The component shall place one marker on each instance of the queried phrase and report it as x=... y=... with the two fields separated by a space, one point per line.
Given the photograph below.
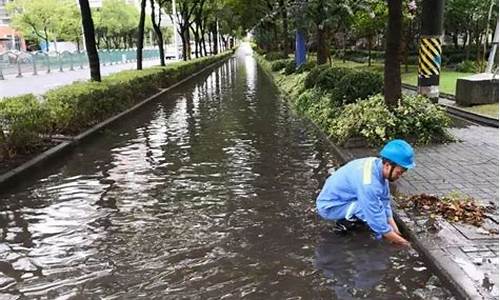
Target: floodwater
x=207 y=193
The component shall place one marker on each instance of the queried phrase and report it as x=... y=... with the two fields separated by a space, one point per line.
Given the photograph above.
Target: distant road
x=41 y=83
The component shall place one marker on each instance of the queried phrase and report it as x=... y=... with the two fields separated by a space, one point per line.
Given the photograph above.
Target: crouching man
x=359 y=190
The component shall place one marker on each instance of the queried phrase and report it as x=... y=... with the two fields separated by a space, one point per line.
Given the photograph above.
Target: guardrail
x=20 y=62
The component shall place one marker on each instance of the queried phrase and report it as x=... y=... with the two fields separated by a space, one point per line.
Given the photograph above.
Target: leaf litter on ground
x=453 y=207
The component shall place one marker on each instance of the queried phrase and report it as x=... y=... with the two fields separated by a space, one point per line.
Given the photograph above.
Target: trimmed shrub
x=368 y=118
x=308 y=66
x=359 y=85
x=21 y=118
x=312 y=77
x=421 y=120
x=290 y=66
x=415 y=118
x=271 y=56
x=329 y=78
x=467 y=67
x=278 y=65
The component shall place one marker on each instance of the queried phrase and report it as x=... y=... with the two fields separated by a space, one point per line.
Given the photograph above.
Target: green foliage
x=467 y=67
x=271 y=56
x=308 y=66
x=278 y=65
x=420 y=119
x=21 y=118
x=45 y=19
x=369 y=118
x=312 y=77
x=329 y=78
x=415 y=118
x=359 y=85
x=290 y=67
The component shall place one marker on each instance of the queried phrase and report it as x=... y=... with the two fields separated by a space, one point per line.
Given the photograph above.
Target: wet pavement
x=469 y=166
x=207 y=193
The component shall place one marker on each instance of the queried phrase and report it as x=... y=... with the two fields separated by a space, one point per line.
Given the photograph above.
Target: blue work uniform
x=358 y=189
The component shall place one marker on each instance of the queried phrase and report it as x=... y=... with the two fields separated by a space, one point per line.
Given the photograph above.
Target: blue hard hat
x=400 y=153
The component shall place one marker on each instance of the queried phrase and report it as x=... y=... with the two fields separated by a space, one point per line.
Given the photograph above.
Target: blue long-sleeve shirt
x=360 y=180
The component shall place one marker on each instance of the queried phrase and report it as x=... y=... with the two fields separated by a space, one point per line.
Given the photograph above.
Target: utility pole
x=429 y=57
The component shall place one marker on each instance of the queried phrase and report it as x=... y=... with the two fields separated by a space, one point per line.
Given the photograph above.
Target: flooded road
x=207 y=193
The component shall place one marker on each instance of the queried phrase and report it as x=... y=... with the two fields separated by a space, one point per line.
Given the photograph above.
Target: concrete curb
x=447 y=270
x=9 y=178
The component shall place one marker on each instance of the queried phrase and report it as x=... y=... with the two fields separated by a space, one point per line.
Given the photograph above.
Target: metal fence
x=22 y=63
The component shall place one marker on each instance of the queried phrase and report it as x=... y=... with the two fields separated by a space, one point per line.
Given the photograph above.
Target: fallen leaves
x=452 y=208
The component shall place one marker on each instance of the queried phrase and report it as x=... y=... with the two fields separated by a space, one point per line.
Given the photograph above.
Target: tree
x=392 y=71
x=88 y=30
x=140 y=35
x=369 y=22
x=69 y=25
x=115 y=22
x=156 y=27
x=328 y=16
x=36 y=18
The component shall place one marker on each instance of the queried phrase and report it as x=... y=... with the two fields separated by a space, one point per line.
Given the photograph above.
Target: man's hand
x=395 y=238
x=394 y=226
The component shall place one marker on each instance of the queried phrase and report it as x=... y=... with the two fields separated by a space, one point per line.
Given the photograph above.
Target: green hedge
x=25 y=120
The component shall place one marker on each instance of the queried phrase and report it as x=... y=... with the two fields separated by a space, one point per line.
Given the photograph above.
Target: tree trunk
x=88 y=30
x=392 y=71
x=157 y=30
x=46 y=38
x=140 y=35
x=321 y=44
x=370 y=42
x=284 y=17
x=214 y=37
x=196 y=40
x=184 y=44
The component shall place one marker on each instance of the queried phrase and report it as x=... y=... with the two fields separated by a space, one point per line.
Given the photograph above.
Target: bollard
x=80 y=55
x=48 y=63
x=33 y=57
x=19 y=74
x=71 y=62
x=60 y=62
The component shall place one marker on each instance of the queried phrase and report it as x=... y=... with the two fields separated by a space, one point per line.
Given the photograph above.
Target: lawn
x=447 y=80
x=485 y=109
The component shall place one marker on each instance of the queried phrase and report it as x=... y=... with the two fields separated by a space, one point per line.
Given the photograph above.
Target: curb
x=452 y=276
x=8 y=178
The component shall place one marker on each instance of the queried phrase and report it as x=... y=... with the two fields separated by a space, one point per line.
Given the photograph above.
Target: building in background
x=10 y=39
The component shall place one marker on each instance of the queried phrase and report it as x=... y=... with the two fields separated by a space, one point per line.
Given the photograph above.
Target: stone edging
x=9 y=178
x=447 y=270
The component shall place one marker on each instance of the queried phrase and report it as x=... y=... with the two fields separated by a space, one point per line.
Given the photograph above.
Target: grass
x=485 y=109
x=447 y=80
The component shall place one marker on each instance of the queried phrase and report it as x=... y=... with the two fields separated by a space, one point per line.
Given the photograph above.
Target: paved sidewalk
x=466 y=255
x=41 y=83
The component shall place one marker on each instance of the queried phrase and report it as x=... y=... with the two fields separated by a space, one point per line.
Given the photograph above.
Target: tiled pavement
x=466 y=255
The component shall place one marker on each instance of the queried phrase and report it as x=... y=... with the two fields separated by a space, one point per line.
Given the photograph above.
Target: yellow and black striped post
x=429 y=55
